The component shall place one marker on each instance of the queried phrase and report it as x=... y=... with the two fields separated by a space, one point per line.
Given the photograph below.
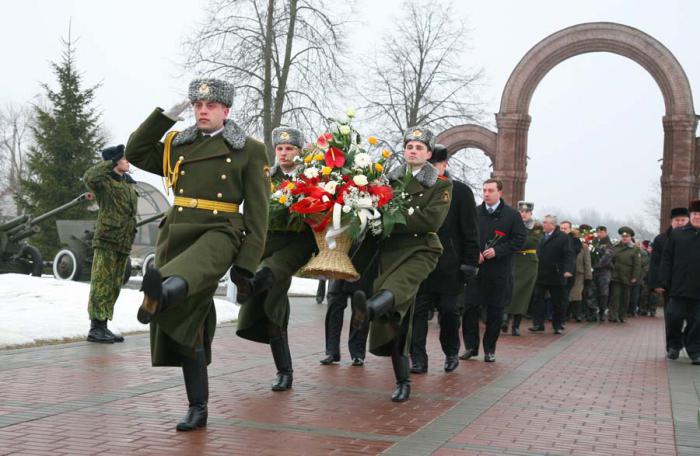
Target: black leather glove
x=468 y=272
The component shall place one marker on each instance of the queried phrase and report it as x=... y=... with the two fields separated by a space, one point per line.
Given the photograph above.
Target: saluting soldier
x=524 y=269
x=627 y=270
x=213 y=168
x=289 y=245
x=406 y=257
x=114 y=233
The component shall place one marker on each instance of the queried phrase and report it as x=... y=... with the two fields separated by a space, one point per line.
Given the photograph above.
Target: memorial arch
x=681 y=166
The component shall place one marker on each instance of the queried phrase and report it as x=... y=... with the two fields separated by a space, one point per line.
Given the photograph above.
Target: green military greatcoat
x=409 y=254
x=198 y=244
x=525 y=271
x=627 y=264
x=288 y=247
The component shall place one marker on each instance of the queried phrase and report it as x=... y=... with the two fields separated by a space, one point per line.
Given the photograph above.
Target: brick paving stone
x=597 y=390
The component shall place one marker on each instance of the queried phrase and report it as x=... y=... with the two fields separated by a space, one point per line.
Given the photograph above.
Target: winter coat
x=583 y=272
x=506 y=220
x=556 y=257
x=657 y=252
x=525 y=272
x=459 y=236
x=118 y=201
x=602 y=256
x=680 y=265
x=627 y=265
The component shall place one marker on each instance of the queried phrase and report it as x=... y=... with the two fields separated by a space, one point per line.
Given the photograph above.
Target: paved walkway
x=598 y=390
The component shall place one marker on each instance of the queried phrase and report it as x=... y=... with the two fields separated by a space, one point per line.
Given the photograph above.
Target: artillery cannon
x=16 y=255
x=74 y=261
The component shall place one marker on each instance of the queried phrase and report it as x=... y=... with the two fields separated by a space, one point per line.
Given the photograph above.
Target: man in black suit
x=501 y=234
x=457 y=265
x=557 y=263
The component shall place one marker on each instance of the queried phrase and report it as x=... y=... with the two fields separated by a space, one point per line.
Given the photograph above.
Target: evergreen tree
x=67 y=135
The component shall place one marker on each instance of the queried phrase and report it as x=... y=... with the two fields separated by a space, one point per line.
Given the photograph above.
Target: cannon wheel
x=148 y=263
x=127 y=271
x=67 y=265
x=31 y=261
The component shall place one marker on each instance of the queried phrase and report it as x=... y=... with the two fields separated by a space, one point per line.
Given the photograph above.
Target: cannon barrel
x=87 y=196
x=150 y=218
x=7 y=226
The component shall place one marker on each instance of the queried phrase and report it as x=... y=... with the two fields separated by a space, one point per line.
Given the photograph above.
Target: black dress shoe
x=402 y=392
x=451 y=363
x=469 y=353
x=330 y=359
x=419 y=368
x=536 y=329
x=489 y=357
x=672 y=353
x=283 y=382
x=358 y=362
x=196 y=417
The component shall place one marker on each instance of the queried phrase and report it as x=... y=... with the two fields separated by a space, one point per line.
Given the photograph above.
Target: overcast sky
x=596 y=132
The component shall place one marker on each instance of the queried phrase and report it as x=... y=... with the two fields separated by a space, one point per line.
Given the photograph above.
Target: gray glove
x=175 y=112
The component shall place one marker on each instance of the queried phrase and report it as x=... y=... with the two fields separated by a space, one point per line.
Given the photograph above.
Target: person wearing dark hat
x=289 y=244
x=602 y=258
x=406 y=257
x=502 y=234
x=115 y=230
x=524 y=269
x=582 y=276
x=648 y=297
x=213 y=168
x=680 y=280
x=627 y=270
x=679 y=217
x=456 y=267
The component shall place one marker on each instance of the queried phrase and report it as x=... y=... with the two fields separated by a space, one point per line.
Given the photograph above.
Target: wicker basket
x=331 y=263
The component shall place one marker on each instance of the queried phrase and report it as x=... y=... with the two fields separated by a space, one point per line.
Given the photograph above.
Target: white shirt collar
x=213 y=133
x=494 y=207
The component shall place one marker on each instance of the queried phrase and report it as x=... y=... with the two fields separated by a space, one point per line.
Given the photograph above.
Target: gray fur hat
x=421 y=134
x=526 y=206
x=210 y=89
x=287 y=135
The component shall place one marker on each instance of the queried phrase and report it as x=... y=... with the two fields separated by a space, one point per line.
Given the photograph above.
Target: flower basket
x=331 y=263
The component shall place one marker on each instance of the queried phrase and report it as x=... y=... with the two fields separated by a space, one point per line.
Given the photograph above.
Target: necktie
x=490 y=210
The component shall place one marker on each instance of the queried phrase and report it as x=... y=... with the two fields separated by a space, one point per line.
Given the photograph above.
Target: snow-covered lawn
x=34 y=309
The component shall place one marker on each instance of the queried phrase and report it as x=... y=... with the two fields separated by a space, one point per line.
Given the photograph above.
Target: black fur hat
x=439 y=154
x=114 y=153
x=679 y=212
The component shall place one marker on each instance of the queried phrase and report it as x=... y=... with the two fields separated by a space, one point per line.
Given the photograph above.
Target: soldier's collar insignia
x=203 y=89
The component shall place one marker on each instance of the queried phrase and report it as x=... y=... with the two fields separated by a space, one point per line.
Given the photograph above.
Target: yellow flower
x=282 y=199
x=290 y=186
x=326 y=170
x=386 y=153
x=378 y=167
x=308 y=158
x=372 y=140
x=318 y=157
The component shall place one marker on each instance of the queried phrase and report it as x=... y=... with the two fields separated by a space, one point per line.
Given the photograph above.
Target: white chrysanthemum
x=411 y=211
x=344 y=130
x=363 y=160
x=311 y=172
x=360 y=180
x=350 y=112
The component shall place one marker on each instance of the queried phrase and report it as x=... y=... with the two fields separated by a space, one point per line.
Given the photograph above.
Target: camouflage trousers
x=108 y=269
x=599 y=292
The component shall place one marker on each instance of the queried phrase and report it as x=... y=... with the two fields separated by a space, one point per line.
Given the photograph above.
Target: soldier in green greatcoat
x=627 y=270
x=288 y=247
x=213 y=168
x=525 y=263
x=114 y=233
x=406 y=257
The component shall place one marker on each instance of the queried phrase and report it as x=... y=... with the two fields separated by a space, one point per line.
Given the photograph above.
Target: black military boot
x=99 y=332
x=117 y=337
x=279 y=344
x=515 y=330
x=159 y=294
x=403 y=381
x=247 y=288
x=197 y=387
x=365 y=310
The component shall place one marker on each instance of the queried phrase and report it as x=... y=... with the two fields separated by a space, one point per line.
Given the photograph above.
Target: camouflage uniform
x=602 y=256
x=114 y=233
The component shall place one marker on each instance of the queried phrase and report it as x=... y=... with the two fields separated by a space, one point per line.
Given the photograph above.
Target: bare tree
x=14 y=126
x=283 y=57
x=470 y=166
x=417 y=77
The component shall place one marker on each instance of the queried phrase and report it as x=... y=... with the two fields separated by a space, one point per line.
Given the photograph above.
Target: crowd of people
x=490 y=262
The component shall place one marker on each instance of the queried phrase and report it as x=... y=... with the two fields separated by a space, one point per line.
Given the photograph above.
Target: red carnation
x=500 y=233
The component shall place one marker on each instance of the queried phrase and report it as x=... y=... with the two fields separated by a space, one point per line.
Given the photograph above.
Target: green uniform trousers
x=108 y=268
x=619 y=299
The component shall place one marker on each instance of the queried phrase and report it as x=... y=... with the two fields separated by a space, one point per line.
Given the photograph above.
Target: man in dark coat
x=213 y=168
x=457 y=265
x=602 y=258
x=501 y=234
x=566 y=227
x=679 y=218
x=556 y=265
x=680 y=278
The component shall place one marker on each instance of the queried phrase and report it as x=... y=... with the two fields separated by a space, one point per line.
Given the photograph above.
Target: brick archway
x=469 y=135
x=679 y=179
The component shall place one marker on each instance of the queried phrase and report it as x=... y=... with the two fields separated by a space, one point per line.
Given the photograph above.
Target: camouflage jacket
x=117 y=198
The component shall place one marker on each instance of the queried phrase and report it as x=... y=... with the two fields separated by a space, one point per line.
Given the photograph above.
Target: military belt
x=208 y=205
x=525 y=252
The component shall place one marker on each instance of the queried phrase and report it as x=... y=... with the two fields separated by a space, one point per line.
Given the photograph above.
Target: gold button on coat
x=179 y=209
x=228 y=160
x=219 y=195
x=182 y=190
x=215 y=212
x=223 y=177
x=182 y=173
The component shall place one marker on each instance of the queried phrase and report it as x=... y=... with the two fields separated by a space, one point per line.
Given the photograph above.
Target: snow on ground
x=43 y=309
